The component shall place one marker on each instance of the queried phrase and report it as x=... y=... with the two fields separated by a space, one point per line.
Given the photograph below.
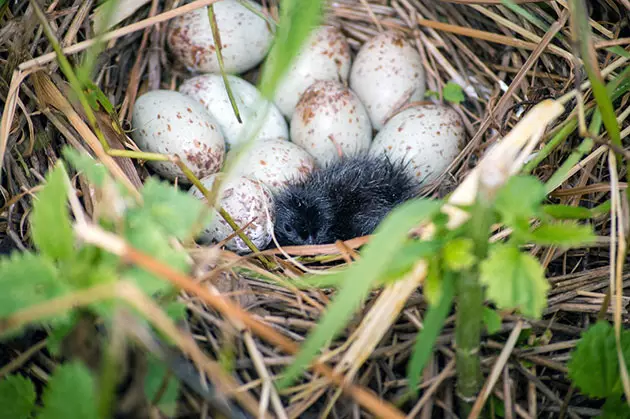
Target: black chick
x=343 y=200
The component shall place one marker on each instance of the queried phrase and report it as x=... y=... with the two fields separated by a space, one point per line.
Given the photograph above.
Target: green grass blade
x=356 y=282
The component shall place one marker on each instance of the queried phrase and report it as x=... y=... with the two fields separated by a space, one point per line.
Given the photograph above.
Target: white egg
x=245 y=38
x=174 y=124
x=274 y=162
x=246 y=201
x=324 y=56
x=427 y=137
x=210 y=91
x=386 y=75
x=330 y=121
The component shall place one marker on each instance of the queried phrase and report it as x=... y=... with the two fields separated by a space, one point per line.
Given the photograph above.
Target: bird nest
x=246 y=317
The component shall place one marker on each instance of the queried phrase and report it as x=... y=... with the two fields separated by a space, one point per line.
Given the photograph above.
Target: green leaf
x=433 y=322
x=297 y=19
x=615 y=408
x=17 y=397
x=458 y=254
x=431 y=93
x=492 y=320
x=143 y=234
x=175 y=211
x=594 y=366
x=408 y=256
x=567 y=212
x=154 y=381
x=515 y=280
x=565 y=235
x=453 y=92
x=27 y=279
x=51 y=227
x=176 y=310
x=70 y=394
x=390 y=236
x=93 y=170
x=519 y=199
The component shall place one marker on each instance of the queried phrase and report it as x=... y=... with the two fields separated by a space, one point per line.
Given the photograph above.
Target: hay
x=505 y=64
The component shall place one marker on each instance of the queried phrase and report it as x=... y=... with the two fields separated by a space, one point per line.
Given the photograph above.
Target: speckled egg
x=245 y=38
x=386 y=75
x=324 y=56
x=171 y=123
x=210 y=91
x=274 y=162
x=330 y=121
x=247 y=201
x=428 y=137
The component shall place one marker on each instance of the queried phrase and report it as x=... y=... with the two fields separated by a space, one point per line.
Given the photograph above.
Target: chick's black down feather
x=345 y=199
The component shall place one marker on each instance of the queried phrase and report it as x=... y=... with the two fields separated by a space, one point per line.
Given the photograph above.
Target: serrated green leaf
x=70 y=394
x=154 y=381
x=615 y=408
x=514 y=280
x=566 y=234
x=175 y=211
x=17 y=397
x=93 y=170
x=390 y=236
x=26 y=280
x=567 y=212
x=51 y=227
x=458 y=254
x=594 y=366
x=409 y=256
x=143 y=234
x=492 y=320
x=519 y=199
x=453 y=92
x=425 y=340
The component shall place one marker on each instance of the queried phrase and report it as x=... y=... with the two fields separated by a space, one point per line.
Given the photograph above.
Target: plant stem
x=469 y=315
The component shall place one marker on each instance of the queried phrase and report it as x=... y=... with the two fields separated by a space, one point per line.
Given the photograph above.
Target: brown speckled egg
x=209 y=90
x=330 y=121
x=171 y=123
x=246 y=201
x=324 y=56
x=428 y=137
x=245 y=38
x=274 y=162
x=386 y=75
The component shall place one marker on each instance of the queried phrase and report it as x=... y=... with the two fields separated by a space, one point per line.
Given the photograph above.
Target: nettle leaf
x=594 y=366
x=492 y=320
x=566 y=234
x=17 y=397
x=146 y=236
x=356 y=281
x=175 y=211
x=70 y=394
x=458 y=254
x=514 y=280
x=51 y=227
x=93 y=170
x=519 y=199
x=453 y=92
x=27 y=279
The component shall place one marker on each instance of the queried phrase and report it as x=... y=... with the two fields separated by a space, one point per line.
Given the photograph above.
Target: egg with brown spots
x=330 y=122
x=273 y=162
x=427 y=137
x=249 y=203
x=325 y=55
x=386 y=75
x=245 y=37
x=174 y=124
x=210 y=90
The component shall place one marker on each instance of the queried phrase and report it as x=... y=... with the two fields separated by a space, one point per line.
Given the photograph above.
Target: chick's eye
x=287 y=227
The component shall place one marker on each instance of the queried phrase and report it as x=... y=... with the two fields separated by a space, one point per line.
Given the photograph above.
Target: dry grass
x=506 y=65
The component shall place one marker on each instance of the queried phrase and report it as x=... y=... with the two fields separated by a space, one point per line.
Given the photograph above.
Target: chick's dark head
x=303 y=217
